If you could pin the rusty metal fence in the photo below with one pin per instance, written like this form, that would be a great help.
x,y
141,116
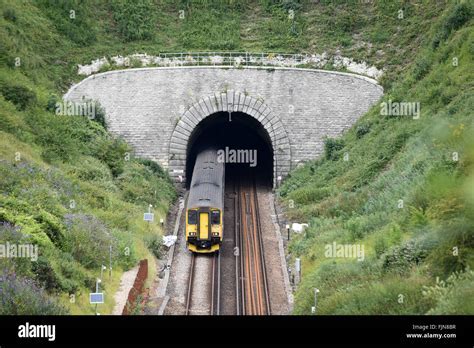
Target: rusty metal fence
x,y
137,289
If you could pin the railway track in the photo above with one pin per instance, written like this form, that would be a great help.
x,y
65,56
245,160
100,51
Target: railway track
x,y
253,290
251,284
203,295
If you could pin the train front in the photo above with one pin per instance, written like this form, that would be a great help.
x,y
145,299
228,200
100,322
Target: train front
x,y
204,229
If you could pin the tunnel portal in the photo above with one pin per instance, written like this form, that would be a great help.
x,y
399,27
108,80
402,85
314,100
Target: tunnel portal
x,y
241,141
156,110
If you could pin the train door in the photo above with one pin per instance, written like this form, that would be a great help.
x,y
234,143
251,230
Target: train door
x,y
203,226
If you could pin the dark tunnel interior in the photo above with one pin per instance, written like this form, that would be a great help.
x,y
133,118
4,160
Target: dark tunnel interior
x,y
243,132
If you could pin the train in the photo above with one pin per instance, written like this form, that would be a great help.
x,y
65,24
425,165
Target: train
x,y
205,204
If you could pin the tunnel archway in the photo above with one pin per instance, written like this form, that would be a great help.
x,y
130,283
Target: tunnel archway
x,y
238,103
238,137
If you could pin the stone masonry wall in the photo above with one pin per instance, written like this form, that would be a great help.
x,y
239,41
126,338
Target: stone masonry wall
x,y
156,109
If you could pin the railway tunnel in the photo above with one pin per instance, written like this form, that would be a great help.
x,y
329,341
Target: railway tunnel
x,y
245,146
241,140
157,110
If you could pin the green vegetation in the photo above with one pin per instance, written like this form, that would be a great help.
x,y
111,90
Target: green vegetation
x,y
50,43
401,187
66,182
67,185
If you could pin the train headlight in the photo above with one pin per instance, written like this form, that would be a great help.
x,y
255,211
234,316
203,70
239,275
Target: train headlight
x,y
216,234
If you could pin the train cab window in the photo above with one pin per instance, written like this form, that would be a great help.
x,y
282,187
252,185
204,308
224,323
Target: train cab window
x,y
215,217
192,217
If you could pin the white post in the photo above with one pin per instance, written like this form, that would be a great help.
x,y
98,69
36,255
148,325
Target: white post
x,y
316,291
110,261
298,269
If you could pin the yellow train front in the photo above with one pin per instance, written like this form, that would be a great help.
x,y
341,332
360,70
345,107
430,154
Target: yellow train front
x,y
205,205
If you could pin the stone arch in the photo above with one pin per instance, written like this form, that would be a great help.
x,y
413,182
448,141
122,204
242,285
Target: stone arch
x,y
237,102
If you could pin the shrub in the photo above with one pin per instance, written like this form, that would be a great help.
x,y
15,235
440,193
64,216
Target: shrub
x,y
153,166
80,29
362,130
455,20
154,243
139,184
91,169
126,253
112,151
53,99
332,148
422,67
21,296
21,96
51,225
389,296
135,19
400,258
453,296
99,116
310,194
455,233
13,235
45,274
88,240
9,14
380,246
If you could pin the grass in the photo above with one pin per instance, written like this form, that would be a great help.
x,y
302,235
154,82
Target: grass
x,y
399,192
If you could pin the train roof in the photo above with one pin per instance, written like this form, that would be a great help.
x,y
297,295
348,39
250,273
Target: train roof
x,y
207,184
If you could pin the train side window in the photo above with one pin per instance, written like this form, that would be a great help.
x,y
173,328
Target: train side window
x,y
192,217
215,217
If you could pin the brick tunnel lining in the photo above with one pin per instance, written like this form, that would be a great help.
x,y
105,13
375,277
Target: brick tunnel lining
x,y
237,131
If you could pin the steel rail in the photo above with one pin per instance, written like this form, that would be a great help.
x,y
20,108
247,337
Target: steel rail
x,y
190,284
262,253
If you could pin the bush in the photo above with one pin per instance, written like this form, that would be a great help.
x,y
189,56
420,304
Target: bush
x,y
99,116
362,130
389,296
9,14
80,29
455,233
13,235
455,20
127,254
400,258
52,226
453,296
153,166
88,240
21,96
154,243
139,184
112,151
51,105
332,148
91,169
422,67
45,274
21,296
310,194
135,19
